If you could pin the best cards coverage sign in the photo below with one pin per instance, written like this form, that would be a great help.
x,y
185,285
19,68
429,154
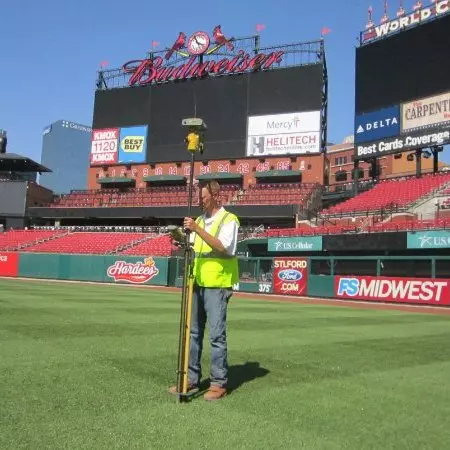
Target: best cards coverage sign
x,y
290,276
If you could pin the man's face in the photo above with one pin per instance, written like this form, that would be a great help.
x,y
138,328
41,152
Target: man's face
x,y
206,199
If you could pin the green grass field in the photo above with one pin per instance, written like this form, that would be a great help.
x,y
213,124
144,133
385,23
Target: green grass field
x,y
88,366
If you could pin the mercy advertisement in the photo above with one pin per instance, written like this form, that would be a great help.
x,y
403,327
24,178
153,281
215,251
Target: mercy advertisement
x,y
290,276
283,134
9,264
425,291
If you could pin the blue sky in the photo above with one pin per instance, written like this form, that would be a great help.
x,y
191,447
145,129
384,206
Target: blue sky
x,y
51,50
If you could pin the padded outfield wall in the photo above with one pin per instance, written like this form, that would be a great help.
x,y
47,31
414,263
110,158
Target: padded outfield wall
x,y
423,280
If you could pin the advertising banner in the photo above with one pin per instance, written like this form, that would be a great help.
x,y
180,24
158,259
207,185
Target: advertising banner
x,y
427,291
290,276
428,239
295,244
9,264
133,144
426,113
378,124
282,134
104,148
421,139
438,8
138,272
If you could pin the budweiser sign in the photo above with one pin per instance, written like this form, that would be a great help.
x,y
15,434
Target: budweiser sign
x,y
153,70
159,69
136,273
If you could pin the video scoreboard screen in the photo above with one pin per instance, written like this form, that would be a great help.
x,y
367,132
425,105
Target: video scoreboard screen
x,y
402,90
252,114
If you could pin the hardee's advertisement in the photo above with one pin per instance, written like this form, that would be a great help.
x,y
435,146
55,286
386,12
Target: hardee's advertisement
x,y
134,273
133,144
9,264
290,276
423,291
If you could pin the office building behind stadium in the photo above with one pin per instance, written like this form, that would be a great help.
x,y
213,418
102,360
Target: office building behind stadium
x,y
65,150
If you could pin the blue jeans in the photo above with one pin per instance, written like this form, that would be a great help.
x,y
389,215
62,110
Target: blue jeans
x,y
209,304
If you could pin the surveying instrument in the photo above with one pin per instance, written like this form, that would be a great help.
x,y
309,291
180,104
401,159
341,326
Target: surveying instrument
x,y
194,143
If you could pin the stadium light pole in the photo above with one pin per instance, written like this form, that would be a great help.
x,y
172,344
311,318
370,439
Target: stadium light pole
x,y
194,141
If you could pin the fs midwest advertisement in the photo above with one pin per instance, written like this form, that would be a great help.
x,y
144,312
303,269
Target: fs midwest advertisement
x,y
424,291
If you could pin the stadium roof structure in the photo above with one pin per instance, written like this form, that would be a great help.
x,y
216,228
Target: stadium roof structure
x,y
12,162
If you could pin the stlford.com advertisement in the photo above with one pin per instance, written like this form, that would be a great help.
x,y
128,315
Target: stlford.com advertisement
x,y
290,276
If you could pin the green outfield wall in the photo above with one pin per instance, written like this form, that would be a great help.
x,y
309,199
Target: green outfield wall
x,y
409,279
100,268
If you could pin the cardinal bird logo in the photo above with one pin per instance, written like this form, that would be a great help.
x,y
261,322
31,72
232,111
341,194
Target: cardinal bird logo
x,y
177,45
220,38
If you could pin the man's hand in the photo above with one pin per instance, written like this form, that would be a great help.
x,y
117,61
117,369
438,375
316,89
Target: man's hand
x,y
190,224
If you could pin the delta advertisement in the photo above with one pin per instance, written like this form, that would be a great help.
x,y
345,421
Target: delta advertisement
x,y
424,291
119,145
284,134
421,123
9,264
290,276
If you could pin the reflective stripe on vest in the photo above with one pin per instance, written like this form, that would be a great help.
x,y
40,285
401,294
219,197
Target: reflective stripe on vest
x,y
212,268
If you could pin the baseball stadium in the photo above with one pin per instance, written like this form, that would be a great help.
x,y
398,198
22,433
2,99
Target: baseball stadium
x,y
338,323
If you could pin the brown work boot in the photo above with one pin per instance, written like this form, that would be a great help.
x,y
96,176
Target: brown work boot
x,y
215,393
192,389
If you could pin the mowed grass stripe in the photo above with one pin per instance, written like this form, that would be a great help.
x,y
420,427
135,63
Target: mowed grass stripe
x,y
87,366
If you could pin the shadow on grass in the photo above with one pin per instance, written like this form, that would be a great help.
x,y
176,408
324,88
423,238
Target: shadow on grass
x,y
238,375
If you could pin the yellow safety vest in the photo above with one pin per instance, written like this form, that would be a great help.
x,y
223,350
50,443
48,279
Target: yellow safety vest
x,y
213,269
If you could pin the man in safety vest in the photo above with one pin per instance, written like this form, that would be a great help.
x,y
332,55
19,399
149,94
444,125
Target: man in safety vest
x,y
214,234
